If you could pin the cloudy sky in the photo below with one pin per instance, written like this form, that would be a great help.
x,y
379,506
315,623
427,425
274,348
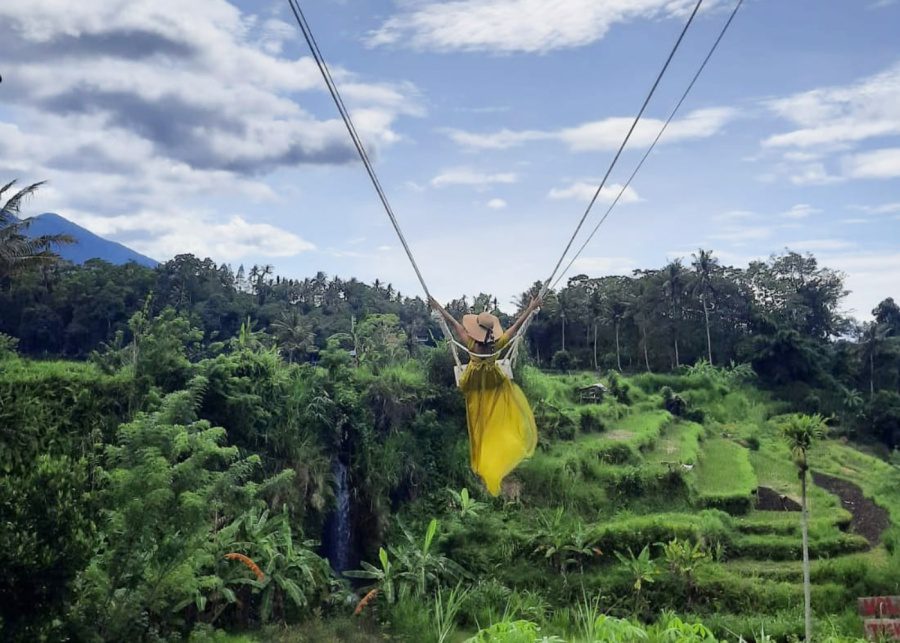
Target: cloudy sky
x,y
204,127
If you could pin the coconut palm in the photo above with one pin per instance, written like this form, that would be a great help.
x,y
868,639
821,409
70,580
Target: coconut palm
x,y
17,251
801,431
294,334
673,286
704,265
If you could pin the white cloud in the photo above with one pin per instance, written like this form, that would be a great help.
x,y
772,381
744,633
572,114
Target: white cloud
x,y
813,174
606,134
734,215
468,176
501,140
496,204
842,114
738,235
514,25
811,245
884,208
877,164
163,234
584,191
123,108
600,266
800,211
871,276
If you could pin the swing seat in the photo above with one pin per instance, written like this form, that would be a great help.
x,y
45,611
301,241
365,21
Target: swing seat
x,y
505,366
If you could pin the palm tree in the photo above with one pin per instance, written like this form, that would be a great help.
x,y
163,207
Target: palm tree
x,y
704,266
616,310
673,289
874,334
800,432
17,251
294,334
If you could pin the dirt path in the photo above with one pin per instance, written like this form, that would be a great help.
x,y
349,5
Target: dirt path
x,y
770,500
869,520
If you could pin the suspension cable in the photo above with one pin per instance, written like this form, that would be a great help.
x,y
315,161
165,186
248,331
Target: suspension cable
x,y
357,141
653,144
612,164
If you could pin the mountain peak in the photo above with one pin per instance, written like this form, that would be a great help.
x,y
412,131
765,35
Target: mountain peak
x,y
87,244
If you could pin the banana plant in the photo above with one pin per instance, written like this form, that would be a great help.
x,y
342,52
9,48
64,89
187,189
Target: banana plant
x,y
383,576
468,507
643,569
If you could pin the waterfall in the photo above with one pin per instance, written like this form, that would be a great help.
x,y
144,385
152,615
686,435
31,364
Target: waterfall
x,y
337,527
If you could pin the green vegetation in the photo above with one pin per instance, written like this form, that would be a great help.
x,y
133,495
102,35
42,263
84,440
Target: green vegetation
x,y
725,478
229,440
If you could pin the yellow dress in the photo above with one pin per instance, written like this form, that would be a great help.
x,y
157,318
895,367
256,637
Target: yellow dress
x,y
501,425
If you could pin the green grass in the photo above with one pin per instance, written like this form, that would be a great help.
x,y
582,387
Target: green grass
x,y
679,444
724,478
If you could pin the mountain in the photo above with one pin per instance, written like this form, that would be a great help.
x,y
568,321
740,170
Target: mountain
x,y
87,244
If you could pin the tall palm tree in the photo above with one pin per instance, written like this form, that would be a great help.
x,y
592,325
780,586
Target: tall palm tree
x,y
616,309
800,432
17,251
294,334
704,266
673,289
873,336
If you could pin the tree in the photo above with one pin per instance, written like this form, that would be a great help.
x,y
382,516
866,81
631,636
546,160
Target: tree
x,y
294,334
170,477
381,340
704,267
615,310
673,287
800,432
18,252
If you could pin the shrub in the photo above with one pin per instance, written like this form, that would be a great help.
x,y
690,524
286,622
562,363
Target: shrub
x,y
619,388
591,419
673,403
563,361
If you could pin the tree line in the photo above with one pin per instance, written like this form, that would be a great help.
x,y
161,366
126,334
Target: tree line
x,y
782,315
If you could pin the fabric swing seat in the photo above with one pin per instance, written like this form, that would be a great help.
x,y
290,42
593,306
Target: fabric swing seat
x,y
505,366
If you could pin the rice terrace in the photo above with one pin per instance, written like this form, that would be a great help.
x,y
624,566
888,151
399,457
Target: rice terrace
x,y
583,327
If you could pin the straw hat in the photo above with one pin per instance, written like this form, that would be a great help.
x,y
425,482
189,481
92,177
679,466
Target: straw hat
x,y
478,326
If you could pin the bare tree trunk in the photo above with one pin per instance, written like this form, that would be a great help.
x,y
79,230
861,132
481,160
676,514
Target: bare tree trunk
x,y
646,356
708,338
564,332
677,360
618,357
871,374
804,519
596,366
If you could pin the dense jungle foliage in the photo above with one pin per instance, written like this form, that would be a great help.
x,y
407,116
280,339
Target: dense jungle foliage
x,y
189,451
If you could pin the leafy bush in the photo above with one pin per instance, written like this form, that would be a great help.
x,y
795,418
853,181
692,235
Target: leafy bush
x,y
590,419
170,484
619,388
562,361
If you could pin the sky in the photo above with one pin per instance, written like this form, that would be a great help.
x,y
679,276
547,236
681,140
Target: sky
x,y
204,127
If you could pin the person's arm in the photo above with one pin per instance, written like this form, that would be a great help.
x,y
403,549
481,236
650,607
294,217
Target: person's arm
x,y
535,304
458,328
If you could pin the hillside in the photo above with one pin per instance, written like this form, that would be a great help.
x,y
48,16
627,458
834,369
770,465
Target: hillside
x,y
87,244
627,514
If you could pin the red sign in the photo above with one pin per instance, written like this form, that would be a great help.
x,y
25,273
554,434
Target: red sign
x,y
878,629
879,606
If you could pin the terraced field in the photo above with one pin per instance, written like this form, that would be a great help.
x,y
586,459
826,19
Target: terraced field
x,y
648,477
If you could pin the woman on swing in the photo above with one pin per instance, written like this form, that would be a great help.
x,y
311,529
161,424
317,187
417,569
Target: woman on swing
x,y
501,425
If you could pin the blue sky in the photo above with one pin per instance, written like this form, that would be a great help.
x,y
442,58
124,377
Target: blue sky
x,y
204,127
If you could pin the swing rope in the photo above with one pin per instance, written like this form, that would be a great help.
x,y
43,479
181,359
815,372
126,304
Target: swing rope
x,y
653,144
513,346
